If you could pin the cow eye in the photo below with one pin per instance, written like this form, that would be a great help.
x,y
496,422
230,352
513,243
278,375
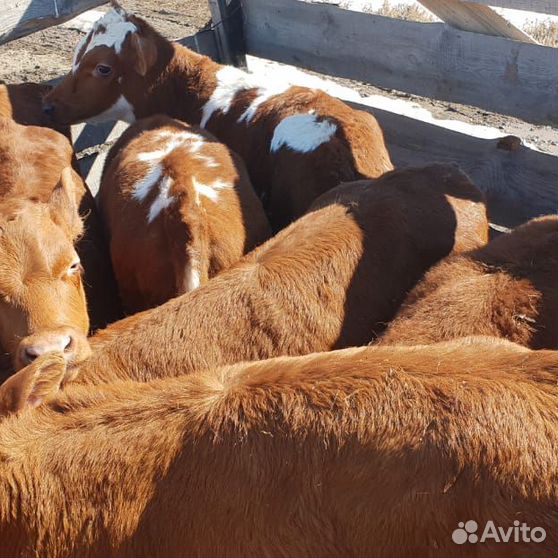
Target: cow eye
x,y
103,70
75,268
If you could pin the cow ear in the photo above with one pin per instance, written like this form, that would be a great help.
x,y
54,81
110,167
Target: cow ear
x,y
33,385
145,53
116,6
64,202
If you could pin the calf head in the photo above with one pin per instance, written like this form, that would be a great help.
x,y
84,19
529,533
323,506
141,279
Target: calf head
x,y
42,301
109,71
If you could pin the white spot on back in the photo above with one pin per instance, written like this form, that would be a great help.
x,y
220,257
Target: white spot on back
x,y
230,81
210,191
164,199
116,28
302,133
121,110
154,159
144,186
264,94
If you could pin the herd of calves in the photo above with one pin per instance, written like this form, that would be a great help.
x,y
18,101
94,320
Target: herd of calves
x,y
323,356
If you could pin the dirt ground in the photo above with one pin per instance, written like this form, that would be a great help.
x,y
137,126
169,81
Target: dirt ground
x,y
47,55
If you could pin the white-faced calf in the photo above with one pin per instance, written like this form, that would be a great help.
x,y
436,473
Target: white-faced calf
x,y
506,289
297,142
179,208
327,281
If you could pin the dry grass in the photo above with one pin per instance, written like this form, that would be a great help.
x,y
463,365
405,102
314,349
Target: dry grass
x,y
404,11
544,32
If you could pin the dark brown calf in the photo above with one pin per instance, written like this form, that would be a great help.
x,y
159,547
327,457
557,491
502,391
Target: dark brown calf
x,y
506,289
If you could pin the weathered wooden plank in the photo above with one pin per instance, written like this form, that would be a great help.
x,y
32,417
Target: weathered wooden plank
x,y
549,7
429,59
22,17
475,18
226,16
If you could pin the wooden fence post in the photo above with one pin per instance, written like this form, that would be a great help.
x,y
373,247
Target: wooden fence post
x,y
227,21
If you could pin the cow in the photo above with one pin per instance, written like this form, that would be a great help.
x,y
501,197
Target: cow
x,y
505,289
32,159
179,208
370,451
297,142
325,282
42,300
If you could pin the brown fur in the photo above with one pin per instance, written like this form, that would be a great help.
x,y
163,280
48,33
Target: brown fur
x,y
39,292
194,237
376,451
325,282
172,79
506,289
22,102
31,161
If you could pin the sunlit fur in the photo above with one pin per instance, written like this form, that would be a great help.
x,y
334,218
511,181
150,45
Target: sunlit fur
x,y
505,289
362,452
156,76
332,279
179,209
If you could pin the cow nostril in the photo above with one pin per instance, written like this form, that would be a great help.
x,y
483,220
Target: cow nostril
x,y
30,354
48,108
69,345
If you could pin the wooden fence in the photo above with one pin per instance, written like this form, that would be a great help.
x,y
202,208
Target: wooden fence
x,y
497,68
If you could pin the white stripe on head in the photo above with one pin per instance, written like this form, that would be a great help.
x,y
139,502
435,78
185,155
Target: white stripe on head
x,y
110,31
302,133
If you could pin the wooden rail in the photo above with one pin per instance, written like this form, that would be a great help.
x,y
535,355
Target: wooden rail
x,y
428,59
22,17
549,7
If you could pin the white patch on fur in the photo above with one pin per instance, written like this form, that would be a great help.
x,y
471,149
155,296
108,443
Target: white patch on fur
x,y
230,81
154,159
192,275
121,110
264,94
163,200
210,191
116,30
145,185
302,133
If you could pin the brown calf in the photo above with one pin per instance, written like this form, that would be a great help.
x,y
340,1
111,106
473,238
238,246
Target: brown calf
x,y
42,302
377,451
325,282
179,207
297,142
31,161
505,289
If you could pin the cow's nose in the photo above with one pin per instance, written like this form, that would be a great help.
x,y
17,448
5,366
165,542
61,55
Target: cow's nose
x,y
48,109
50,343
